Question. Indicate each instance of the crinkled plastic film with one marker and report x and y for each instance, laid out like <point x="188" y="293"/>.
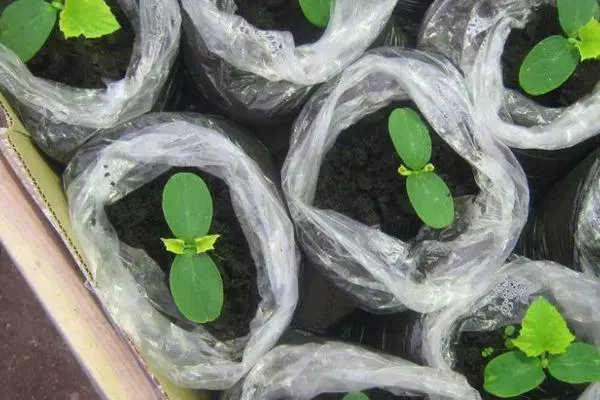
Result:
<point x="110" y="168"/>
<point x="472" y="33"/>
<point x="502" y="299"/>
<point x="60" y="118"/>
<point x="383" y="273"/>
<point x="258" y="74"/>
<point x="303" y="372"/>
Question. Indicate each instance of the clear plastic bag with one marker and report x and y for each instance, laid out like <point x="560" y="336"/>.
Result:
<point x="256" y="74"/>
<point x="502" y="298"/>
<point x="303" y="372"/>
<point x="122" y="160"/>
<point x="385" y="274"/>
<point x="472" y="33"/>
<point x="60" y="118"/>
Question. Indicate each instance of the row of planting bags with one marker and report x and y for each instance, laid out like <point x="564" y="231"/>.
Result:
<point x="468" y="283"/>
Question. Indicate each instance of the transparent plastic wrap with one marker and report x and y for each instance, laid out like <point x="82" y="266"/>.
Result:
<point x="258" y="74"/>
<point x="382" y="273"/>
<point x="502" y="299"/>
<point x="303" y="372"/>
<point x="472" y="33"/>
<point x="60" y="118"/>
<point x="126" y="158"/>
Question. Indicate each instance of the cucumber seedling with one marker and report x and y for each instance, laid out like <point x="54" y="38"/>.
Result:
<point x="356" y="396"/>
<point x="316" y="11"/>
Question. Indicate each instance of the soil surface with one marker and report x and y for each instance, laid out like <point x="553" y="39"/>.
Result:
<point x="85" y="63"/>
<point x="545" y="23"/>
<point x="139" y="222"/>
<point x="374" y="394"/>
<point x="359" y="177"/>
<point x="471" y="363"/>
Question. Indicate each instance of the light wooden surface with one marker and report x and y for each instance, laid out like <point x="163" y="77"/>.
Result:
<point x="50" y="271"/>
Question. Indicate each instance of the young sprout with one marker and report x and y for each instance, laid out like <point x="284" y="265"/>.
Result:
<point x="552" y="61"/>
<point x="316" y="11"/>
<point x="356" y="396"/>
<point x="487" y="352"/>
<point x="25" y="25"/>
<point x="195" y="280"/>
<point x="544" y="342"/>
<point x="427" y="192"/>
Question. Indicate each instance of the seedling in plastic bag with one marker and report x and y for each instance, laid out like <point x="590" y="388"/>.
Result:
<point x="356" y="396"/>
<point x="427" y="192"/>
<point x="25" y="25"/>
<point x="195" y="280"/>
<point x="316" y="11"/>
<point x="544" y="343"/>
<point x="552" y="61"/>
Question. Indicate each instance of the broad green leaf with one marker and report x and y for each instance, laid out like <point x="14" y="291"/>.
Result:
<point x="197" y="287"/>
<point x="431" y="199"/>
<point x="410" y="137"/>
<point x="589" y="43"/>
<point x="176" y="246"/>
<point x="573" y="14"/>
<point x="25" y="26"/>
<point x="356" y="396"/>
<point x="90" y="18"/>
<point x="187" y="206"/>
<point x="512" y="374"/>
<point x="316" y="11"/>
<point x="549" y="64"/>
<point x="543" y="329"/>
<point x="206" y="243"/>
<point x="580" y="364"/>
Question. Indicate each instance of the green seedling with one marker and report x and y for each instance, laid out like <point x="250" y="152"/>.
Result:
<point x="427" y="192"/>
<point x="195" y="280"/>
<point x="25" y="25"/>
<point x="487" y="352"/>
<point x="544" y="344"/>
<point x="552" y="61"/>
<point x="316" y="11"/>
<point x="509" y="333"/>
<point x="356" y="396"/>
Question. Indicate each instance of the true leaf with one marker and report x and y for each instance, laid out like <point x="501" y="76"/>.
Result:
<point x="90" y="18"/>
<point x="187" y="206"/>
<point x="549" y="64"/>
<point x="356" y="396"/>
<point x="410" y="137"/>
<point x="316" y="11"/>
<point x="573" y="14"/>
<point x="25" y="26"/>
<point x="512" y="373"/>
<point x="176" y="246"/>
<point x="580" y="364"/>
<point x="589" y="43"/>
<point x="543" y="330"/>
<point x="431" y="199"/>
<point x="197" y="287"/>
<point x="206" y="243"/>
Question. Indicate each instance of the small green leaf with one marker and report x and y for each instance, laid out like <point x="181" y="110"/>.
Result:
<point x="90" y="18"/>
<point x="410" y="137"/>
<point x="176" y="246"/>
<point x="580" y="364"/>
<point x="206" y="243"/>
<point x="543" y="330"/>
<point x="431" y="199"/>
<point x="509" y="330"/>
<point x="549" y="64"/>
<point x="573" y="14"/>
<point x="512" y="374"/>
<point x="197" y="287"/>
<point x="187" y="206"/>
<point x="487" y="352"/>
<point x="316" y="11"/>
<point x="25" y="26"/>
<point x="589" y="43"/>
<point x="356" y="396"/>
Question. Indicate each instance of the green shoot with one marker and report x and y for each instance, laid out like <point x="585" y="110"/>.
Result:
<point x="195" y="280"/>
<point x="356" y="396"/>
<point x="487" y="352"/>
<point x="427" y="192"/>
<point x="316" y="11"/>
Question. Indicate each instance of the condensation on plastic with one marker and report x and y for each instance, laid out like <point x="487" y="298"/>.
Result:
<point x="108" y="169"/>
<point x="258" y="74"/>
<point x="303" y="372"/>
<point x="385" y="274"/>
<point x="60" y="118"/>
<point x="502" y="299"/>
<point x="472" y="33"/>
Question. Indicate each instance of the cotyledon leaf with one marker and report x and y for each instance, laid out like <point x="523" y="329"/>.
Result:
<point x="512" y="374"/>
<point x="316" y="11"/>
<point x="431" y="199"/>
<point x="410" y="137"/>
<point x="580" y="364"/>
<point x="573" y="14"/>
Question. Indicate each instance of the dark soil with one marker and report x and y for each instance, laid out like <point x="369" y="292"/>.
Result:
<point x="139" y="222"/>
<point x="471" y="363"/>
<point x="545" y="23"/>
<point x="359" y="177"/>
<point x="85" y="63"/>
<point x="374" y="394"/>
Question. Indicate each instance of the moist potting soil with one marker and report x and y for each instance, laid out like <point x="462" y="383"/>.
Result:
<point x="374" y="394"/>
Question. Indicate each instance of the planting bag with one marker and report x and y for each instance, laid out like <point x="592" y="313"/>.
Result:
<point x="303" y="372"/>
<point x="383" y="273"/>
<point x="472" y="33"/>
<point x="133" y="288"/>
<point x="60" y="118"/>
<point x="258" y="74"/>
<point x="502" y="299"/>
